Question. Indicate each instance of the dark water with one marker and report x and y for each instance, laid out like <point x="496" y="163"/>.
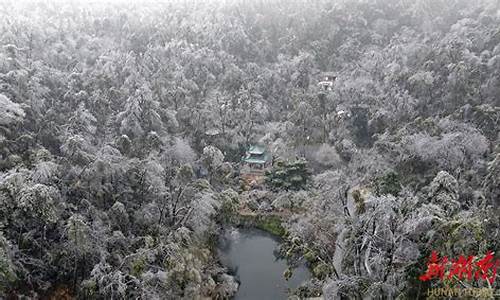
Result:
<point x="250" y="254"/>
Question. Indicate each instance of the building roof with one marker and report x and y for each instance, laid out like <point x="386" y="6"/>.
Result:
<point x="329" y="74"/>
<point x="325" y="83"/>
<point x="212" y="132"/>
<point x="256" y="155"/>
<point x="255" y="160"/>
<point x="256" y="149"/>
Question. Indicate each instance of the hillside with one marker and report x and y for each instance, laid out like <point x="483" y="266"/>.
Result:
<point x="123" y="124"/>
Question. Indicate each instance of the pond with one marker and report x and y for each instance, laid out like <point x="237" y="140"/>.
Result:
<point x="251" y="254"/>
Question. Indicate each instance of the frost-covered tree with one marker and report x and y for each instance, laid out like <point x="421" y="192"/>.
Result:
<point x="10" y="112"/>
<point x="120" y="127"/>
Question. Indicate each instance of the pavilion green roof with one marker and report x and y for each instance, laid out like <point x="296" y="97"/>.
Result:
<point x="256" y="155"/>
<point x="253" y="160"/>
<point x="256" y="149"/>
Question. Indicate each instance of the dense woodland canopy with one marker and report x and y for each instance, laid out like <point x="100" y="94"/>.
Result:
<point x="122" y="126"/>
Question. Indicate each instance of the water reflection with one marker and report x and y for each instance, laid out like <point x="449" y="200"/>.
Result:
<point x="251" y="255"/>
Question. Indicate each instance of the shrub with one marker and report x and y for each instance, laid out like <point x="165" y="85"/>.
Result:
<point x="388" y="184"/>
<point x="289" y="175"/>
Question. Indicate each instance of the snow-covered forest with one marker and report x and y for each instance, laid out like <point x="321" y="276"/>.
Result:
<point x="123" y="125"/>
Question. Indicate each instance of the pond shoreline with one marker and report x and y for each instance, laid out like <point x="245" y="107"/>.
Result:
<point x="239" y="212"/>
<point x="252" y="256"/>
